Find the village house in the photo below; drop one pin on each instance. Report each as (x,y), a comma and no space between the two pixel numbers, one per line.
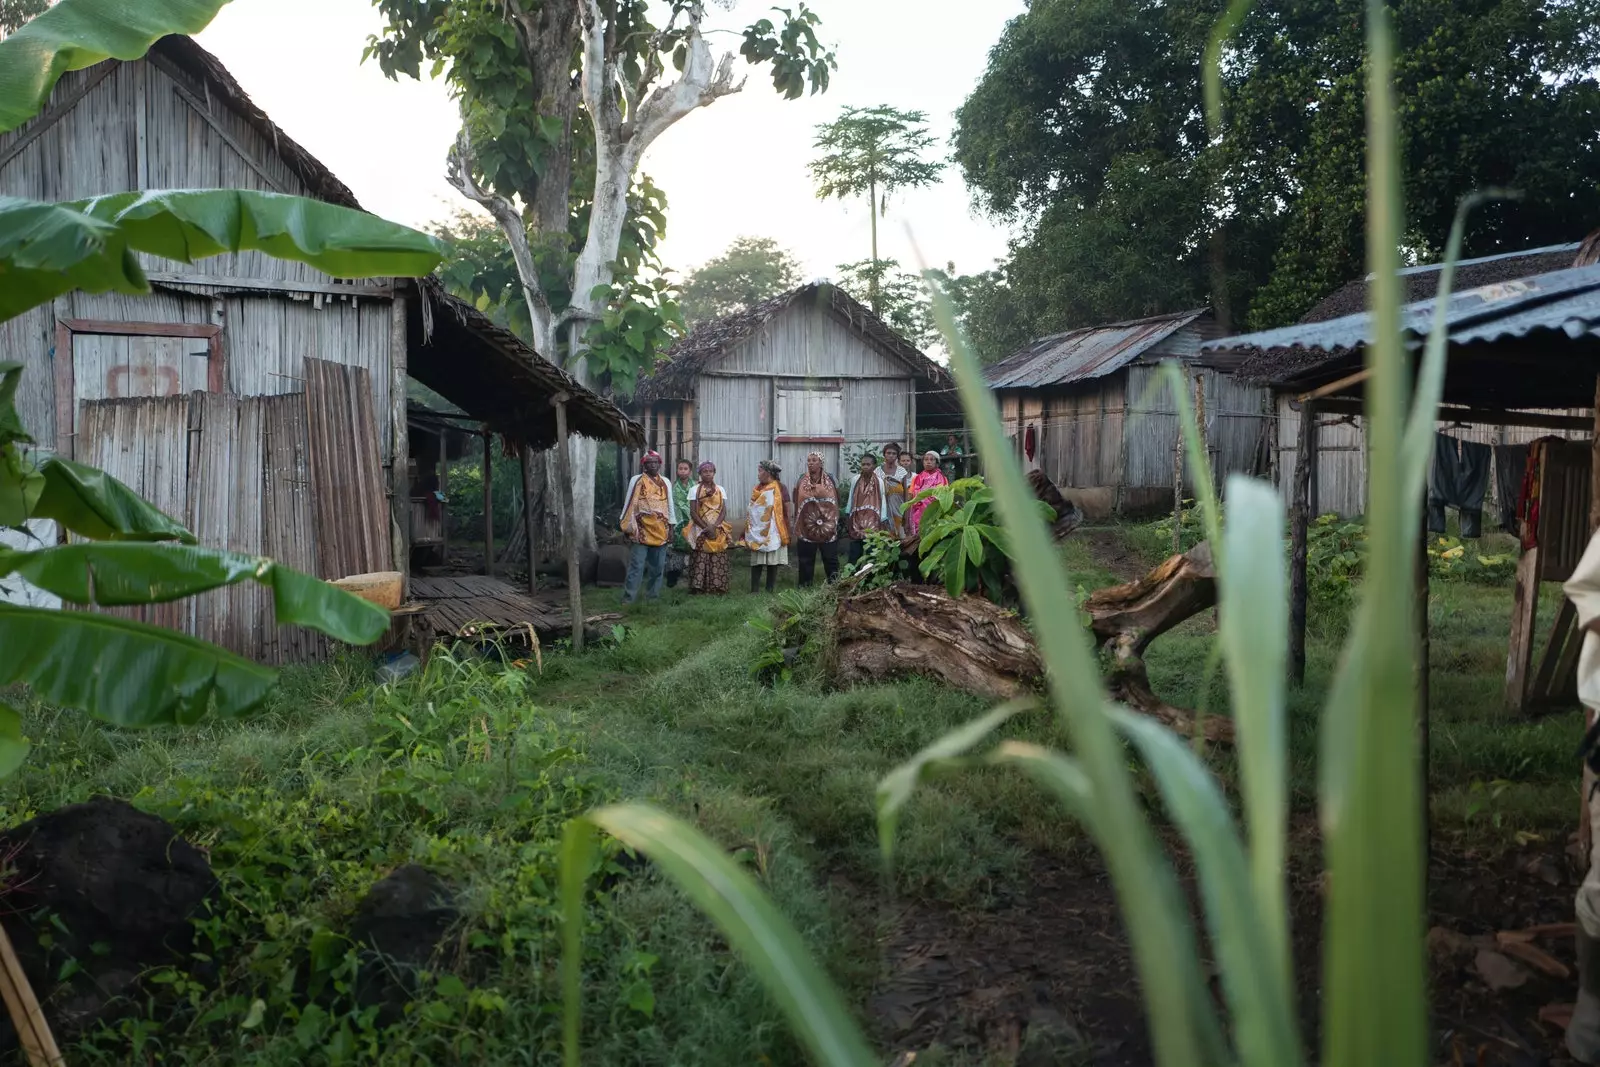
(263,404)
(1090,409)
(808,370)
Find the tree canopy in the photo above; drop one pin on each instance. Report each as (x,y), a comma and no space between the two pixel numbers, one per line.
(1087,131)
(751,270)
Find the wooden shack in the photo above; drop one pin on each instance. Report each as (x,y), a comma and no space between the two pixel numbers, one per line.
(811,369)
(258,401)
(1091,410)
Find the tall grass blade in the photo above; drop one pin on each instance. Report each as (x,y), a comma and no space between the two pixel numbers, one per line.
(577,855)
(761,936)
(1376,1007)
(1253,625)
(897,787)
(1182,1021)
(1241,923)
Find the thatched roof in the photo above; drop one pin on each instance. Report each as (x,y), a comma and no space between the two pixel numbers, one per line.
(1422,283)
(454,349)
(675,372)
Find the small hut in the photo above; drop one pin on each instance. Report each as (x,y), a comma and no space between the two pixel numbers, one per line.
(1092,411)
(258,401)
(810,369)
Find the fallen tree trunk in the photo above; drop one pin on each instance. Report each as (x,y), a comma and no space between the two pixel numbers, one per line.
(977,646)
(970,643)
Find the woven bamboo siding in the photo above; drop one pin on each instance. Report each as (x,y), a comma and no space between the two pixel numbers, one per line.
(735,433)
(287,527)
(877,410)
(225,506)
(1233,426)
(348,494)
(809,342)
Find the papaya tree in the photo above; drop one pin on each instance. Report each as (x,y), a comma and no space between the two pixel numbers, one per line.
(559,101)
(126,552)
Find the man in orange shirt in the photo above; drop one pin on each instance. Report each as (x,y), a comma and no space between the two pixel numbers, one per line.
(648,518)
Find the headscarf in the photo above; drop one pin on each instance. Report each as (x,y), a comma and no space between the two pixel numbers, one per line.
(770,467)
(930,454)
(814,456)
(708,466)
(648,456)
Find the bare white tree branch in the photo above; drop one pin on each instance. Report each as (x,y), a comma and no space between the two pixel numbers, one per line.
(509,219)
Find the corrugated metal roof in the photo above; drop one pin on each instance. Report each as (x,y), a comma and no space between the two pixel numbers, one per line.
(1563,301)
(1091,352)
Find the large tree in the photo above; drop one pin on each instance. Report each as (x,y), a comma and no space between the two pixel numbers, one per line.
(560,99)
(1087,132)
(751,270)
(873,152)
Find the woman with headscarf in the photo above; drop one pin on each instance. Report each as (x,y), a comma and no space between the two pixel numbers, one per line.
(767,532)
(929,477)
(708,534)
(816,508)
(648,517)
(866,507)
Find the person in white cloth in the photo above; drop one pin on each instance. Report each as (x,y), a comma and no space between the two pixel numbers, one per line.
(1583,589)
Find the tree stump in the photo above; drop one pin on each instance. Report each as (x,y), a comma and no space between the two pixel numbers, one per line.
(981,648)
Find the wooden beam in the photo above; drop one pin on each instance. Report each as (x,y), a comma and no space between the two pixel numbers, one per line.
(1334,386)
(56,113)
(271,285)
(488,501)
(1299,532)
(569,521)
(1537,420)
(143,329)
(1524,619)
(199,107)
(529,520)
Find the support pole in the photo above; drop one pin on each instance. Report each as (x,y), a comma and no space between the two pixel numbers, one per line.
(1299,530)
(399,446)
(569,520)
(528,518)
(488,502)
(1177,485)
(444,493)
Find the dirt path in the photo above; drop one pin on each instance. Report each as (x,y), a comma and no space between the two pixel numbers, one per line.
(1108,550)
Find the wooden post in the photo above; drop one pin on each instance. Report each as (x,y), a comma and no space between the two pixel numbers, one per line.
(400,446)
(1424,655)
(444,492)
(488,502)
(1177,482)
(569,521)
(529,520)
(27,1017)
(1299,531)
(1200,418)
(1524,623)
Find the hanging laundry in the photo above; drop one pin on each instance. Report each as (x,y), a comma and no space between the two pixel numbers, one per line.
(1510,464)
(1528,501)
(1459,479)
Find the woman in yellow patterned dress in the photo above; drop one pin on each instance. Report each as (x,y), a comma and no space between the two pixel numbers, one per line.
(767,535)
(708,534)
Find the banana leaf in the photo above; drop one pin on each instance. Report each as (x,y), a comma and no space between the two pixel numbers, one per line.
(92,504)
(118,574)
(127,673)
(74,34)
(49,249)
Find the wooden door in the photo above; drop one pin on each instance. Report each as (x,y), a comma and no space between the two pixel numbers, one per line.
(126,360)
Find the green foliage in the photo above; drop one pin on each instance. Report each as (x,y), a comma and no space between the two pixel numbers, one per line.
(1086,133)
(640,320)
(50,249)
(880,564)
(74,34)
(478,268)
(751,270)
(786,631)
(899,297)
(962,539)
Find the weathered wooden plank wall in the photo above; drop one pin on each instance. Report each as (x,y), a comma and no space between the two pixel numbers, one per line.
(348,488)
(809,342)
(288,530)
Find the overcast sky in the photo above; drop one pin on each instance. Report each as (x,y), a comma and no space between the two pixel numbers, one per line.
(736,167)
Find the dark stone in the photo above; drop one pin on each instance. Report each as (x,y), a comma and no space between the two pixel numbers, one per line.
(108,886)
(399,926)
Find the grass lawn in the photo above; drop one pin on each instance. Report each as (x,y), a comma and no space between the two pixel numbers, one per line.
(473,768)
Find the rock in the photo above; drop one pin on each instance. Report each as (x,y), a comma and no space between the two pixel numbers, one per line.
(399,926)
(105,885)
(1497,971)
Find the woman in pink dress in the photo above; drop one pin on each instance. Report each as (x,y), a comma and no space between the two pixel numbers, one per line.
(928,477)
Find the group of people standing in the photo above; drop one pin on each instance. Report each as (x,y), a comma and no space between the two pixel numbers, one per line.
(682,525)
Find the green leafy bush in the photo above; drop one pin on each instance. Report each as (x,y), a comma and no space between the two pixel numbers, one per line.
(962,538)
(881,563)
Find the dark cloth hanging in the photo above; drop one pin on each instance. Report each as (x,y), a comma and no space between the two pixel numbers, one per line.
(1459,478)
(1510,463)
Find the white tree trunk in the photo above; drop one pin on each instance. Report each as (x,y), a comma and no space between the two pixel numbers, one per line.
(620,142)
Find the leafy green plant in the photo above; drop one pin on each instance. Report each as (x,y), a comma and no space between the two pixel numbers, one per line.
(1374,996)
(881,563)
(962,539)
(784,631)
